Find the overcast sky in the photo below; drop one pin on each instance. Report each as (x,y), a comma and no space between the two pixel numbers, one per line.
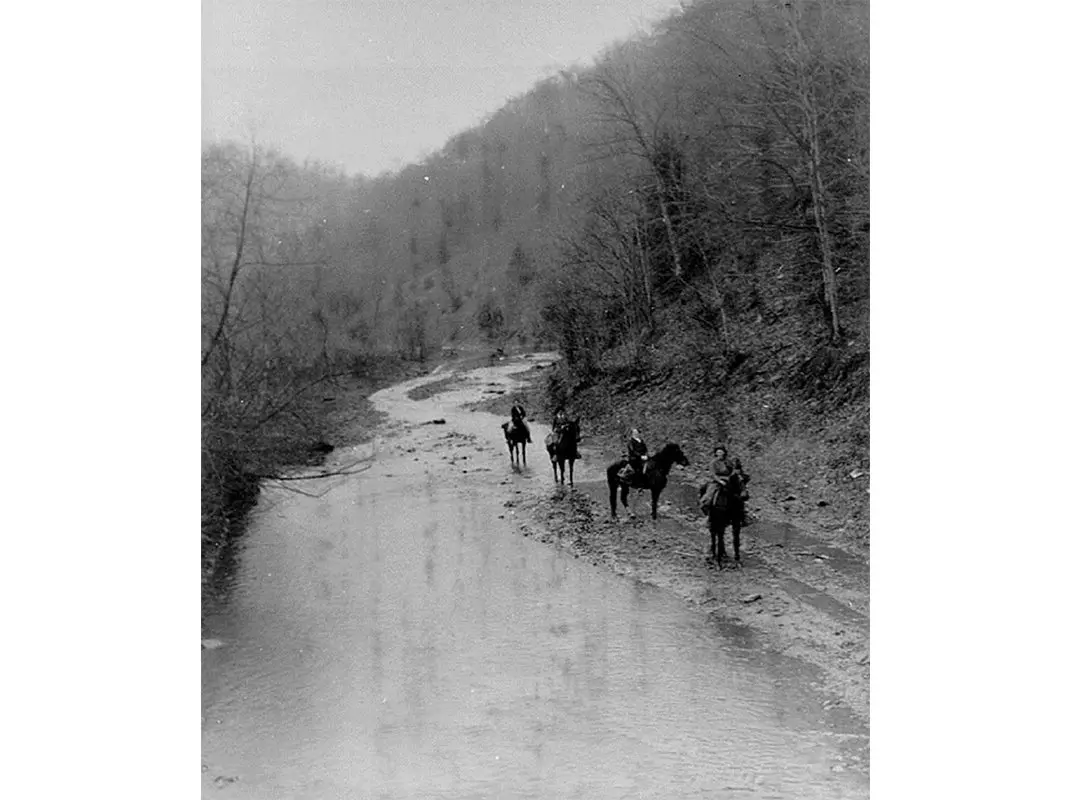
(372,84)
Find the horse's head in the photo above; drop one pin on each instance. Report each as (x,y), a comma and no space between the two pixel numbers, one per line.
(674,455)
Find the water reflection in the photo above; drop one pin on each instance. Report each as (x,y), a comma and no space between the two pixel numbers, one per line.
(440,654)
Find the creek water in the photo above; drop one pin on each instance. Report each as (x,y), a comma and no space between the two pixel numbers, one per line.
(397,637)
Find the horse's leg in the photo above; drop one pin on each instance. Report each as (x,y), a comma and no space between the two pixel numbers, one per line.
(612,483)
(625,498)
(711,530)
(737,537)
(570,474)
(524,460)
(656,488)
(720,524)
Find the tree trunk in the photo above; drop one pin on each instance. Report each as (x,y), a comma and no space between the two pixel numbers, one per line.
(237,264)
(671,235)
(649,293)
(720,301)
(813,157)
(819,213)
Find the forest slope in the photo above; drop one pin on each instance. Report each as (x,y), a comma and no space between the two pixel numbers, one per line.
(686,222)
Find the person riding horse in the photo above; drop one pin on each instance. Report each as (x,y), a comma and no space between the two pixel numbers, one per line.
(517,416)
(721,470)
(558,422)
(637,455)
(559,419)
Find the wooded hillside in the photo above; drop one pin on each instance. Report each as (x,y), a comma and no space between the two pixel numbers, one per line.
(698,202)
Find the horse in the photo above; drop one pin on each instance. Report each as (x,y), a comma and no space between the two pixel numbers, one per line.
(727,509)
(562,447)
(653,478)
(515,437)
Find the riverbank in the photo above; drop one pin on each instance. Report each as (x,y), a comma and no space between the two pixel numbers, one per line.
(343,417)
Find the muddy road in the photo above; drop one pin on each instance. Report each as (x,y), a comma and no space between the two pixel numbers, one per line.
(441,625)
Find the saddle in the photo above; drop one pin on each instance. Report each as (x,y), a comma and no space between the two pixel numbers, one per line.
(710,495)
(630,477)
(515,425)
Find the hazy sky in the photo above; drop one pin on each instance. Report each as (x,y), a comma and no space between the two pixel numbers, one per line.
(372,84)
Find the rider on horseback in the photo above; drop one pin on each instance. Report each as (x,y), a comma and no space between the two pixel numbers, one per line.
(558,428)
(559,420)
(637,455)
(517,416)
(721,470)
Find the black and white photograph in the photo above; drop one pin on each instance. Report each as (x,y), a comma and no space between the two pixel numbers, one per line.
(535,399)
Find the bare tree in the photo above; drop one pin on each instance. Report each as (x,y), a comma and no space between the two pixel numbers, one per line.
(639,126)
(794,93)
(609,257)
(262,304)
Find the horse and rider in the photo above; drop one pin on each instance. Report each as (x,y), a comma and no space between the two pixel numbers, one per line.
(638,470)
(722,501)
(722,470)
(558,421)
(517,419)
(561,444)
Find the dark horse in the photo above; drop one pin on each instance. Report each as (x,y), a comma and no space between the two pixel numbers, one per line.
(515,437)
(653,479)
(728,509)
(562,447)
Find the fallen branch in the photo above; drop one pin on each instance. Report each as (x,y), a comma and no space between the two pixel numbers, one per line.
(315,495)
(281,484)
(347,470)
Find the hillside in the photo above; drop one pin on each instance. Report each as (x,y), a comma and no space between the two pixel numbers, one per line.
(809,459)
(686,222)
